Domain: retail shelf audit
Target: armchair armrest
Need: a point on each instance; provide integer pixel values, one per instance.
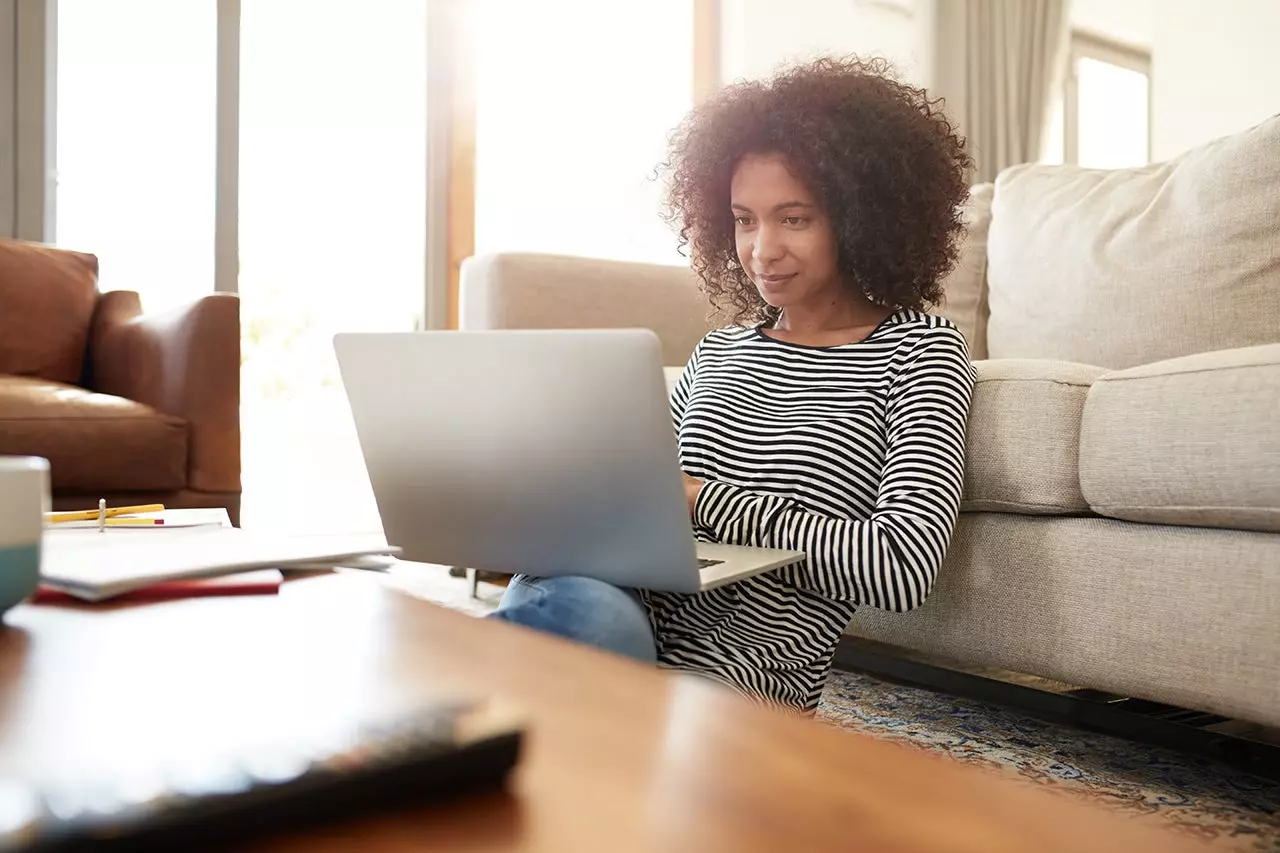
(185, 363)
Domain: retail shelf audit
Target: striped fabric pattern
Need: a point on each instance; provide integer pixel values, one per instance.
(853, 454)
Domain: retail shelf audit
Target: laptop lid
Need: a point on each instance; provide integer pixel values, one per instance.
(546, 452)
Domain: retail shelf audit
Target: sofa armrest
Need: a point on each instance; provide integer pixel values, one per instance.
(185, 363)
(513, 290)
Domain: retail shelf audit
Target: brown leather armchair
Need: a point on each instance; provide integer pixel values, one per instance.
(127, 407)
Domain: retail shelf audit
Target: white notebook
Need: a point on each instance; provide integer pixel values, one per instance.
(94, 565)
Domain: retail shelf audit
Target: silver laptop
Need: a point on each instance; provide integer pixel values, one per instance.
(542, 452)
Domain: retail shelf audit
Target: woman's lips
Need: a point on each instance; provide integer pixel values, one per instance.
(774, 282)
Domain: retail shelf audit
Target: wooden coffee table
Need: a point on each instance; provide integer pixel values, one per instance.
(620, 757)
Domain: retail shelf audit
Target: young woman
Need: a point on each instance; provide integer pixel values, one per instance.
(820, 210)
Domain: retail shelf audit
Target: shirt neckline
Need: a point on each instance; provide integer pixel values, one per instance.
(759, 332)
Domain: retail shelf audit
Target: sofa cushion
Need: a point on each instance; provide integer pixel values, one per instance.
(47, 297)
(94, 442)
(1022, 443)
(965, 289)
(1126, 267)
(1192, 441)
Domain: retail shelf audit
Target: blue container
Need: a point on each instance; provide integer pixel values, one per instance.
(24, 499)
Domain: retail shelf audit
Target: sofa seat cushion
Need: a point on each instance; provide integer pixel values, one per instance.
(94, 442)
(1023, 437)
(1192, 441)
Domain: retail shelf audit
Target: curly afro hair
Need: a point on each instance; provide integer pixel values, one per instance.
(882, 160)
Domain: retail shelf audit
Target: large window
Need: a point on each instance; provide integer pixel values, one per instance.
(574, 102)
(278, 148)
(1105, 118)
(332, 234)
(136, 107)
(330, 224)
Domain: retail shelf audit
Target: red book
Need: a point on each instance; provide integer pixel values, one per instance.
(262, 582)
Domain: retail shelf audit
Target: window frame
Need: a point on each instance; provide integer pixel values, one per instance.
(1089, 45)
(29, 30)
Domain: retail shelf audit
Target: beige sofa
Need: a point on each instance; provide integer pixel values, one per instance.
(1121, 523)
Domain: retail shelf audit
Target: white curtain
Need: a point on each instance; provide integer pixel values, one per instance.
(1000, 65)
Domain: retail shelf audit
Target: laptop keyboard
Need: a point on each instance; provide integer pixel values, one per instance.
(704, 563)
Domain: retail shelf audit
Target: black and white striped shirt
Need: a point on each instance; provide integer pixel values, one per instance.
(853, 454)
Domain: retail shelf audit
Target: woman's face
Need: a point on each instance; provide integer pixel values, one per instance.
(784, 240)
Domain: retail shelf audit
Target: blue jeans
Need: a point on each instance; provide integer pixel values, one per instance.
(582, 609)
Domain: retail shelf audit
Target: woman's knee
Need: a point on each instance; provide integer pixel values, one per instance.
(583, 609)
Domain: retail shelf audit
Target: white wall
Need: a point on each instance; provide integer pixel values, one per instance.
(1129, 21)
(1215, 70)
(760, 35)
(1215, 67)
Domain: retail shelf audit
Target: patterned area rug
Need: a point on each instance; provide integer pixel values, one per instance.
(1200, 797)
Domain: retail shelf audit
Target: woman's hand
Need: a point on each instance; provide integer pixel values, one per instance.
(691, 489)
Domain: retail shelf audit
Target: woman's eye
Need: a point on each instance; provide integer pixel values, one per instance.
(794, 221)
(742, 221)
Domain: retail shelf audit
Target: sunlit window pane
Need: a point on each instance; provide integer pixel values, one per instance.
(1054, 152)
(574, 102)
(1113, 129)
(332, 236)
(136, 106)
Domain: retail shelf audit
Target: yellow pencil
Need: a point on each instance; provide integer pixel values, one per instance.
(92, 514)
(115, 522)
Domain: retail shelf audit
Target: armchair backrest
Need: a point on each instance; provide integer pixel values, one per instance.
(47, 299)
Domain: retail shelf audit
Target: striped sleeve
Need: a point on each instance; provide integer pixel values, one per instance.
(890, 559)
(680, 393)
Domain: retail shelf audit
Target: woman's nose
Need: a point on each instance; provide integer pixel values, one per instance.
(769, 245)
